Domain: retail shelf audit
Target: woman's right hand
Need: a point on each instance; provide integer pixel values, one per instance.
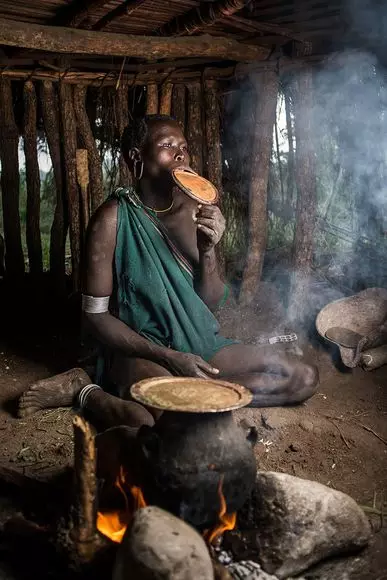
(189, 365)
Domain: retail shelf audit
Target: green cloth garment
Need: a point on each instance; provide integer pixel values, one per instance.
(155, 295)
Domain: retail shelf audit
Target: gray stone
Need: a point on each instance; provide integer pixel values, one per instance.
(159, 546)
(301, 522)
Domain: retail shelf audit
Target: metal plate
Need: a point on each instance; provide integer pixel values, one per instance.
(195, 186)
(190, 395)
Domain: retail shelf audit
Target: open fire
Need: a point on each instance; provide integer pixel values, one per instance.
(113, 524)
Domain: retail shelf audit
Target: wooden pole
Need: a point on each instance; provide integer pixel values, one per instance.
(122, 116)
(152, 99)
(194, 126)
(9, 156)
(74, 41)
(87, 137)
(85, 464)
(305, 173)
(178, 105)
(121, 11)
(50, 111)
(69, 140)
(214, 154)
(83, 179)
(202, 16)
(34, 243)
(166, 98)
(266, 87)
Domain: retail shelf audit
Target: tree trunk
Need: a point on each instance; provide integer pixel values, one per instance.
(50, 108)
(266, 86)
(70, 148)
(214, 153)
(166, 99)
(194, 126)
(178, 105)
(289, 130)
(122, 115)
(305, 172)
(96, 194)
(9, 142)
(152, 99)
(34, 243)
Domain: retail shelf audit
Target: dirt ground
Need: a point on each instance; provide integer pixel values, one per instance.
(338, 438)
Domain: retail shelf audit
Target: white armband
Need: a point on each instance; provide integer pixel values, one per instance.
(95, 304)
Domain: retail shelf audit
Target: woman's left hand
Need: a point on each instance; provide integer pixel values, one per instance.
(211, 225)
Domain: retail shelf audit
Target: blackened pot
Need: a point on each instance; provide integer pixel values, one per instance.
(185, 456)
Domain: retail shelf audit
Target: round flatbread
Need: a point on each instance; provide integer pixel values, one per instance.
(190, 395)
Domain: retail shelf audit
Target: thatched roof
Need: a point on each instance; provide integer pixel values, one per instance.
(245, 25)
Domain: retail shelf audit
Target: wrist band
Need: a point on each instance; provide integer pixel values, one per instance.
(95, 304)
(85, 392)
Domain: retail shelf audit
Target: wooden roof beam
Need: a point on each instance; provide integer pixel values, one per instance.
(77, 12)
(248, 25)
(204, 15)
(124, 9)
(74, 41)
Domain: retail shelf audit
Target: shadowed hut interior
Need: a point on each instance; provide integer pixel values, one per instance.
(284, 107)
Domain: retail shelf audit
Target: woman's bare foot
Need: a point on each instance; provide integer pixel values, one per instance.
(57, 391)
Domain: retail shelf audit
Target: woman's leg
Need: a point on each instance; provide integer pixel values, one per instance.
(274, 380)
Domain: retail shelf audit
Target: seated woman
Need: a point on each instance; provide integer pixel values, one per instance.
(151, 284)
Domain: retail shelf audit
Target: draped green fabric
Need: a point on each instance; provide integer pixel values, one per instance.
(154, 284)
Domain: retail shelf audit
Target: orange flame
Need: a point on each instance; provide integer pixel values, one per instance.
(114, 524)
(226, 521)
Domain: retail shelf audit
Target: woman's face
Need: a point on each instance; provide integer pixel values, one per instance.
(164, 150)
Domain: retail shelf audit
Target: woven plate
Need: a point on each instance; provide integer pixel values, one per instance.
(195, 186)
(190, 395)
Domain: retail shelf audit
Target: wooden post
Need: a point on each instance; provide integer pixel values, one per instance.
(85, 464)
(194, 126)
(34, 243)
(69, 136)
(266, 87)
(152, 99)
(94, 161)
(178, 105)
(166, 98)
(122, 116)
(83, 178)
(50, 111)
(305, 173)
(9, 142)
(214, 154)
